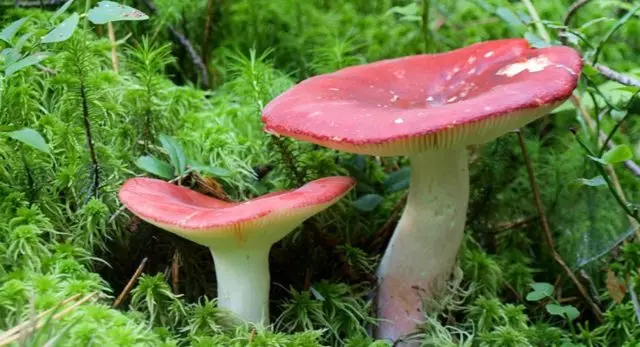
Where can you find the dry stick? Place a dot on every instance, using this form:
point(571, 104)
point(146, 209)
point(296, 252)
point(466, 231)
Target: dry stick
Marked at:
point(129, 285)
point(114, 51)
point(549, 236)
point(614, 75)
point(40, 323)
point(207, 32)
point(195, 58)
point(175, 272)
point(22, 325)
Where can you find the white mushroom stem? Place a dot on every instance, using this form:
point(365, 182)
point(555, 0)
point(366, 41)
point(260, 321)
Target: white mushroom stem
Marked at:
point(423, 249)
point(243, 281)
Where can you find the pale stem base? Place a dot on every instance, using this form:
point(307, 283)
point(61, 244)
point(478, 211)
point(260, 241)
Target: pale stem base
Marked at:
point(243, 282)
point(423, 249)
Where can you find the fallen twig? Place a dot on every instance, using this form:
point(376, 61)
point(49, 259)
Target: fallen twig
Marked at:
point(175, 272)
point(129, 285)
point(614, 75)
point(549, 236)
point(634, 299)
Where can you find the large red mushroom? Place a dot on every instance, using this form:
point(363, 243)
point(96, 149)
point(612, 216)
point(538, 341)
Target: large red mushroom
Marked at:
point(239, 235)
point(429, 107)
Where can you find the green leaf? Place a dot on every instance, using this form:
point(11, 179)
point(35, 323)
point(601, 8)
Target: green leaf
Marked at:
point(216, 171)
point(11, 55)
point(408, 10)
point(508, 16)
point(109, 11)
point(535, 40)
point(22, 40)
point(62, 9)
point(398, 180)
point(63, 31)
point(176, 153)
point(593, 182)
point(155, 166)
point(9, 32)
point(26, 62)
point(31, 138)
point(540, 291)
point(615, 155)
point(368, 203)
point(569, 312)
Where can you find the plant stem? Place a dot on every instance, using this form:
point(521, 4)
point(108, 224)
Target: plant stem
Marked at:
point(614, 75)
point(612, 31)
point(425, 25)
point(95, 169)
point(207, 32)
point(424, 246)
point(544, 223)
point(542, 31)
point(114, 49)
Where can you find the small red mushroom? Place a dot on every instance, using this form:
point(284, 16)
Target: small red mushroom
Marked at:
point(239, 235)
point(429, 107)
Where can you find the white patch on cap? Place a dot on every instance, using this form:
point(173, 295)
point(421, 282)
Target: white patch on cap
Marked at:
point(430, 98)
point(532, 65)
point(452, 99)
point(395, 98)
point(471, 59)
point(399, 121)
point(472, 71)
point(316, 113)
point(399, 74)
point(488, 54)
point(336, 138)
point(334, 89)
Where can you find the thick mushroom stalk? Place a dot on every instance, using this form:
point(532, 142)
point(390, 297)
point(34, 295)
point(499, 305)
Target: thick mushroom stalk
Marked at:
point(239, 235)
point(423, 248)
point(429, 107)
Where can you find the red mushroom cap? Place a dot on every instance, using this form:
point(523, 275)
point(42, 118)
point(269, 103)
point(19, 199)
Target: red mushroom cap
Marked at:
point(208, 221)
point(413, 104)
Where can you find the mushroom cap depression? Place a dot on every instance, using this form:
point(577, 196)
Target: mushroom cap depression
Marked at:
point(212, 222)
point(418, 103)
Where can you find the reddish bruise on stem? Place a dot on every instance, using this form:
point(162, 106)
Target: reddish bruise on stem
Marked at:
point(429, 107)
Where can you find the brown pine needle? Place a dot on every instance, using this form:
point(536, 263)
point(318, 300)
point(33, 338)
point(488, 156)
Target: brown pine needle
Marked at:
point(14, 334)
point(129, 285)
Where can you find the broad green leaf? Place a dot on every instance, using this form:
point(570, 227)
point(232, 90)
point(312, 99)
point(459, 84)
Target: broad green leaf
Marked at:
point(9, 32)
point(569, 312)
point(176, 153)
point(216, 171)
point(508, 16)
point(593, 182)
point(109, 11)
point(615, 155)
point(408, 10)
point(22, 40)
point(61, 10)
point(155, 166)
point(540, 291)
point(31, 138)
point(535, 40)
point(28, 61)
point(398, 180)
point(63, 31)
point(368, 202)
point(11, 55)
